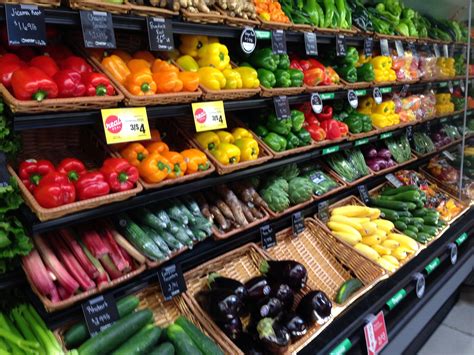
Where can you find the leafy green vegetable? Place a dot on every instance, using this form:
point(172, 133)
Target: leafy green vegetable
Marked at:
point(300, 189)
point(288, 172)
point(276, 199)
point(10, 198)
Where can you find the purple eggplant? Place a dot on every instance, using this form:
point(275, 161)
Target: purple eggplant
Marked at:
point(258, 288)
point(231, 327)
point(289, 272)
point(285, 294)
point(249, 345)
point(314, 307)
point(224, 305)
point(293, 323)
point(391, 163)
point(275, 337)
point(267, 308)
point(215, 281)
point(384, 154)
point(373, 163)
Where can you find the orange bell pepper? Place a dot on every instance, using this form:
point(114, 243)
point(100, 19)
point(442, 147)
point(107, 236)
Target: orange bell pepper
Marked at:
point(145, 55)
point(122, 54)
point(190, 80)
point(167, 81)
point(154, 168)
point(158, 147)
point(178, 165)
point(195, 160)
point(117, 68)
point(137, 65)
point(162, 65)
point(155, 137)
point(134, 153)
point(140, 83)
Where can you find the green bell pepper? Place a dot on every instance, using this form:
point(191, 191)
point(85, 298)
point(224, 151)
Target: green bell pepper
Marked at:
point(365, 72)
point(366, 123)
point(304, 137)
point(351, 57)
point(284, 61)
point(275, 142)
point(283, 78)
point(261, 131)
point(348, 73)
point(282, 127)
point(296, 77)
point(292, 141)
point(297, 120)
point(266, 77)
point(354, 122)
point(402, 29)
point(265, 59)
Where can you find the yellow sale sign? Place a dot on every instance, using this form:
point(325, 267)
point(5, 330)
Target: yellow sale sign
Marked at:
point(209, 115)
point(125, 124)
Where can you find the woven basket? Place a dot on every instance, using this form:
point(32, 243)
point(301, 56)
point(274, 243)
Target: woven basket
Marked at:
point(270, 25)
point(336, 178)
point(356, 85)
point(356, 136)
point(201, 17)
point(145, 10)
point(236, 21)
point(323, 88)
point(43, 3)
point(265, 92)
point(302, 28)
point(99, 5)
point(396, 37)
point(218, 235)
point(453, 190)
point(54, 145)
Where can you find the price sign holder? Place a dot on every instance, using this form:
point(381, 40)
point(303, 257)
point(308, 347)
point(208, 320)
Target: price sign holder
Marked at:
point(404, 90)
point(352, 98)
point(25, 25)
point(160, 34)
point(453, 253)
point(267, 236)
point(368, 46)
point(399, 48)
point(100, 313)
point(445, 50)
point(248, 40)
point(450, 86)
point(316, 103)
point(393, 180)
point(297, 223)
point(323, 211)
point(171, 281)
point(461, 85)
point(97, 29)
point(377, 96)
point(341, 49)
point(420, 284)
point(364, 194)
point(311, 43)
point(278, 42)
point(409, 133)
point(282, 107)
point(209, 115)
point(125, 124)
point(436, 50)
point(384, 48)
point(376, 336)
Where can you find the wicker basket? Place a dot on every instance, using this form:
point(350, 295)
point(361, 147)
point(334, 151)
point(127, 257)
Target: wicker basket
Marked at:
point(302, 28)
point(453, 190)
point(271, 25)
point(99, 5)
point(201, 17)
point(43, 3)
point(236, 21)
point(356, 85)
point(145, 10)
point(54, 145)
point(356, 136)
point(323, 88)
point(265, 92)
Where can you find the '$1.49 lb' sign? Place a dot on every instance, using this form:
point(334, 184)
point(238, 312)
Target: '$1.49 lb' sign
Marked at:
point(209, 116)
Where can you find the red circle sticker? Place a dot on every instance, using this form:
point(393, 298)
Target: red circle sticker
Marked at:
point(113, 124)
point(200, 115)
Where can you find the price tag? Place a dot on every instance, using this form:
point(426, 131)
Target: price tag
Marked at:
point(160, 34)
point(453, 253)
point(376, 337)
point(432, 265)
point(368, 46)
point(399, 48)
point(364, 194)
point(377, 96)
point(393, 180)
point(342, 348)
point(361, 142)
point(445, 50)
point(310, 43)
point(384, 49)
point(25, 25)
point(448, 155)
point(450, 86)
point(409, 133)
point(263, 34)
point(340, 45)
point(209, 115)
point(316, 103)
point(352, 98)
point(248, 40)
point(267, 236)
point(451, 50)
point(461, 239)
point(171, 281)
point(4, 176)
point(327, 95)
point(125, 124)
point(329, 150)
point(282, 107)
point(323, 211)
point(404, 90)
point(461, 85)
point(297, 223)
point(386, 90)
point(361, 92)
point(396, 299)
point(100, 313)
point(97, 29)
point(436, 50)
point(419, 284)
point(386, 135)
point(278, 42)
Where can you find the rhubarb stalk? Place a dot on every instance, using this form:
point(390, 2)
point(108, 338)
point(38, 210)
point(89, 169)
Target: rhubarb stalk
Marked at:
point(94, 243)
point(128, 258)
point(114, 250)
point(39, 275)
point(76, 249)
point(110, 267)
point(102, 278)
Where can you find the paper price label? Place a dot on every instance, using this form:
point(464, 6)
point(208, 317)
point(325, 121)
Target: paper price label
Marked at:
point(125, 124)
point(384, 48)
point(209, 115)
point(248, 40)
point(399, 48)
point(376, 337)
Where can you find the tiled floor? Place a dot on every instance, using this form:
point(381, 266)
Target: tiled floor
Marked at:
point(455, 335)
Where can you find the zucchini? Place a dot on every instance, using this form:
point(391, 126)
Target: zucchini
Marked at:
point(175, 213)
point(412, 228)
point(394, 191)
point(423, 237)
point(419, 204)
point(172, 242)
point(406, 220)
point(393, 205)
point(410, 233)
point(112, 337)
point(347, 289)
point(78, 333)
point(400, 225)
point(163, 216)
point(419, 212)
point(145, 217)
point(141, 342)
point(181, 341)
point(165, 348)
point(203, 342)
point(418, 220)
point(407, 196)
point(182, 236)
point(192, 205)
point(391, 215)
point(153, 234)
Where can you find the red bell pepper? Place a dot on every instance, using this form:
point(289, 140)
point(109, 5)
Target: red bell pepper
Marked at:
point(72, 168)
point(76, 63)
point(332, 76)
point(332, 129)
point(120, 174)
point(97, 84)
point(295, 64)
point(326, 113)
point(33, 84)
point(92, 184)
point(315, 64)
point(343, 128)
point(305, 64)
point(45, 63)
point(9, 57)
point(58, 52)
point(312, 119)
point(31, 172)
point(69, 83)
point(54, 190)
point(317, 133)
point(314, 76)
point(6, 71)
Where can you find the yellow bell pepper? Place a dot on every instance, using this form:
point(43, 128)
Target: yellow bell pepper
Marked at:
point(190, 44)
point(225, 137)
point(208, 140)
point(233, 80)
point(187, 63)
point(240, 133)
point(381, 62)
point(380, 121)
point(366, 105)
point(385, 108)
point(249, 77)
point(443, 98)
point(362, 59)
point(211, 78)
point(248, 148)
point(226, 153)
point(380, 75)
point(392, 76)
point(213, 55)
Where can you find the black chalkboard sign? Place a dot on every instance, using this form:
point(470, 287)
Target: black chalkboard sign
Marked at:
point(363, 193)
point(310, 43)
point(100, 313)
point(160, 34)
point(282, 107)
point(341, 45)
point(404, 90)
point(25, 25)
point(97, 29)
point(368, 46)
point(323, 211)
point(297, 223)
point(412, 48)
point(267, 236)
point(171, 281)
point(4, 176)
point(278, 42)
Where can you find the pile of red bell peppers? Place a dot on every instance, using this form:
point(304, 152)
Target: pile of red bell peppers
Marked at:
point(70, 180)
point(322, 126)
point(56, 73)
point(315, 73)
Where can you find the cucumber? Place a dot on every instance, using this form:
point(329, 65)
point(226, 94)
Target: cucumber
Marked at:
point(400, 225)
point(190, 233)
point(407, 196)
point(423, 237)
point(153, 234)
point(181, 341)
point(412, 228)
point(404, 213)
point(176, 214)
point(78, 333)
point(419, 212)
point(393, 205)
point(203, 342)
point(183, 237)
point(145, 217)
point(163, 216)
point(418, 220)
point(165, 348)
point(173, 227)
point(141, 342)
point(395, 191)
point(391, 215)
point(406, 220)
point(172, 242)
point(112, 337)
point(192, 205)
point(199, 233)
point(429, 230)
point(347, 289)
point(419, 204)
point(410, 233)
point(430, 220)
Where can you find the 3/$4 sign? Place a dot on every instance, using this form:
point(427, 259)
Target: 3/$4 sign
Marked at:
point(125, 124)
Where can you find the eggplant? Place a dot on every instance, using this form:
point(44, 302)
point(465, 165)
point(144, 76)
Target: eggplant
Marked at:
point(249, 345)
point(274, 336)
point(231, 327)
point(216, 281)
point(285, 294)
point(289, 272)
point(295, 325)
point(224, 305)
point(267, 308)
point(314, 307)
point(257, 288)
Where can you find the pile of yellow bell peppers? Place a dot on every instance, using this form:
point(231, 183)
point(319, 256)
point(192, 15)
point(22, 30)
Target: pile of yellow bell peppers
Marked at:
point(382, 115)
point(383, 69)
point(210, 59)
point(230, 147)
point(444, 105)
point(445, 67)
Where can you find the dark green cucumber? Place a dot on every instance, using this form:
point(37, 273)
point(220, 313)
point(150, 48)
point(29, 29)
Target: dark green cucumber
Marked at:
point(391, 215)
point(407, 196)
point(424, 236)
point(393, 205)
point(201, 340)
point(430, 220)
point(419, 220)
point(165, 348)
point(155, 235)
point(419, 204)
point(347, 289)
point(78, 333)
point(419, 212)
point(406, 220)
point(114, 336)
point(144, 216)
point(410, 233)
point(181, 341)
point(412, 228)
point(429, 230)
point(400, 225)
point(141, 342)
point(395, 191)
